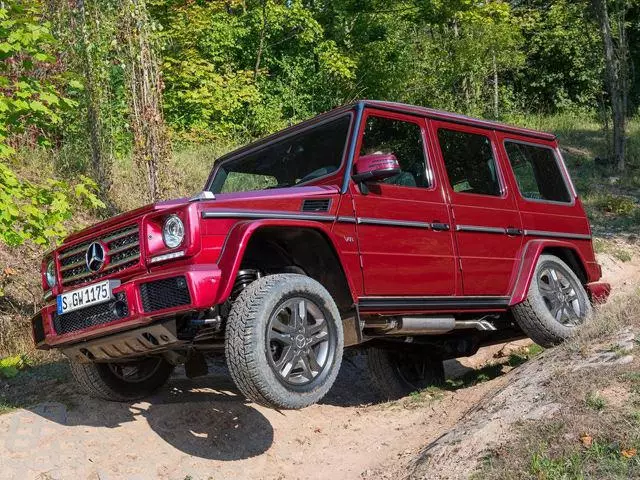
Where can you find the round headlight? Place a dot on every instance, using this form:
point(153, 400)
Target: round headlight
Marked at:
point(173, 231)
point(51, 274)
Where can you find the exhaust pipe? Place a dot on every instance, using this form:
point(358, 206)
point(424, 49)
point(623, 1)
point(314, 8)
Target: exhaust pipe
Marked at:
point(427, 325)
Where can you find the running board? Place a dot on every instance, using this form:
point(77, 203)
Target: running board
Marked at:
point(378, 304)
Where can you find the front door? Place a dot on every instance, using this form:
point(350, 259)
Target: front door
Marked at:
point(405, 242)
point(487, 223)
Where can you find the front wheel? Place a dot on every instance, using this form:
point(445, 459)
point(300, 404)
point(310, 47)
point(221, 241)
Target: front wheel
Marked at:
point(556, 303)
point(122, 381)
point(284, 341)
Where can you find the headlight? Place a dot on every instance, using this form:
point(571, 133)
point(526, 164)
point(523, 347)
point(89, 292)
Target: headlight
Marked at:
point(172, 231)
point(51, 274)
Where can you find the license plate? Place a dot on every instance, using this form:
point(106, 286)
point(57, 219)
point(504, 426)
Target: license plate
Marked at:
point(84, 297)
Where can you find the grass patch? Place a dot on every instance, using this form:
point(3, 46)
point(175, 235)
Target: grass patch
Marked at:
point(595, 401)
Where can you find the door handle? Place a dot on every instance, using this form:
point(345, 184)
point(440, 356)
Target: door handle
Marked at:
point(513, 231)
point(441, 227)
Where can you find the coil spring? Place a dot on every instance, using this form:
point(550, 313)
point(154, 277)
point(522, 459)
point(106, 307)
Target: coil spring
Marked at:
point(243, 279)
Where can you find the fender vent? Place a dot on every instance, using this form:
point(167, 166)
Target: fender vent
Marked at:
point(316, 205)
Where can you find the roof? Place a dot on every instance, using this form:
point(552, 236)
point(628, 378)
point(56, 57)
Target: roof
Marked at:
point(455, 118)
point(395, 107)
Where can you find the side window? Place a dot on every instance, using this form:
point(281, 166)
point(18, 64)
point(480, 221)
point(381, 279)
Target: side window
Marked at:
point(469, 160)
point(537, 172)
point(404, 140)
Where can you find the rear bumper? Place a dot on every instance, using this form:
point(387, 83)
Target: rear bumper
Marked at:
point(598, 291)
point(202, 282)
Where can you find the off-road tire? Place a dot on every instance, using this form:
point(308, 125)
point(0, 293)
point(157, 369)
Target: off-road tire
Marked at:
point(385, 369)
point(99, 381)
point(246, 345)
point(533, 316)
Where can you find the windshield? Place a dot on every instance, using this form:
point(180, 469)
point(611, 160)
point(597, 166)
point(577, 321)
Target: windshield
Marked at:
point(297, 159)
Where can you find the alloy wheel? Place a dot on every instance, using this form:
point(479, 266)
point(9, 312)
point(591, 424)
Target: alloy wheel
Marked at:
point(560, 294)
point(298, 341)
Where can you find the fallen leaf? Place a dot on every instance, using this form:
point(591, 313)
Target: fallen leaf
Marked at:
point(629, 452)
point(586, 440)
point(8, 271)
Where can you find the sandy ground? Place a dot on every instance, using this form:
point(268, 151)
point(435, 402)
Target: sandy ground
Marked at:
point(204, 430)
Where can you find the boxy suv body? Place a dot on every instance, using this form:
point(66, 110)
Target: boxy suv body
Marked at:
point(417, 234)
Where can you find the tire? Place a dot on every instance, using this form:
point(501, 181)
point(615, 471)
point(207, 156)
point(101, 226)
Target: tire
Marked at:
point(551, 314)
point(122, 381)
point(270, 349)
point(396, 374)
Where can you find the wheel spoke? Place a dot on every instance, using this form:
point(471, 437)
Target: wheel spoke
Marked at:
point(553, 275)
point(278, 325)
point(280, 337)
point(311, 330)
point(306, 368)
point(286, 362)
point(317, 338)
point(313, 361)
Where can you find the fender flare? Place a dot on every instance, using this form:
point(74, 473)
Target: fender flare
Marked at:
point(240, 235)
point(531, 252)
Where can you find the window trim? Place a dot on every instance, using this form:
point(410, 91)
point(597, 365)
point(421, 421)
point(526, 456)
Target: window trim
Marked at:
point(500, 174)
point(420, 121)
point(561, 168)
point(349, 114)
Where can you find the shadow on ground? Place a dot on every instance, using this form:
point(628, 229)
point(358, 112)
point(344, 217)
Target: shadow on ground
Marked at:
point(205, 417)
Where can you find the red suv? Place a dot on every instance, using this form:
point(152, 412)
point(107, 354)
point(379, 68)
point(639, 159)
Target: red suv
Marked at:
point(417, 234)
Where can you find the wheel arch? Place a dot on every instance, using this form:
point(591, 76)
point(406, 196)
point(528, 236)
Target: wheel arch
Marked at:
point(307, 245)
point(565, 251)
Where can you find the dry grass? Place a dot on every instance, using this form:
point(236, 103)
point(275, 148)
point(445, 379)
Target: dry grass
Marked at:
point(596, 432)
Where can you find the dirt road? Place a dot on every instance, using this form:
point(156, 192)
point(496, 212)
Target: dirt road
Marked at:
point(204, 430)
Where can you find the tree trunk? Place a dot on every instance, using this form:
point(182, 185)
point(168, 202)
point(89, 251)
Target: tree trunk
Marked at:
point(615, 69)
point(151, 147)
point(263, 33)
point(496, 98)
point(100, 162)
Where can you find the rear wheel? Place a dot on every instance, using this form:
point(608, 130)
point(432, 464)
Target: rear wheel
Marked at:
point(122, 381)
point(396, 374)
point(284, 341)
point(556, 303)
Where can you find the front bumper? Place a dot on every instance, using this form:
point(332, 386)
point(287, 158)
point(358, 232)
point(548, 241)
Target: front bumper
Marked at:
point(202, 282)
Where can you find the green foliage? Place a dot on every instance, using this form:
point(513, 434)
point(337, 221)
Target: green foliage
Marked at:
point(38, 212)
point(11, 366)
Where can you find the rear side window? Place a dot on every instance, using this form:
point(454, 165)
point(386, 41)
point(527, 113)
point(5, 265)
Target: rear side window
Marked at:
point(537, 172)
point(469, 160)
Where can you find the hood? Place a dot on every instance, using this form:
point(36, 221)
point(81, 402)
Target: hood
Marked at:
point(125, 217)
point(277, 199)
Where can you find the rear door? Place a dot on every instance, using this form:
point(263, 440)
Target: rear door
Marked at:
point(488, 229)
point(402, 254)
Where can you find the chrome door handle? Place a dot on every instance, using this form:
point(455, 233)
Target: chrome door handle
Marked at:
point(513, 231)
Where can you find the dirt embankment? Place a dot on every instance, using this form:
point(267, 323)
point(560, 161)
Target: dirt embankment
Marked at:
point(203, 429)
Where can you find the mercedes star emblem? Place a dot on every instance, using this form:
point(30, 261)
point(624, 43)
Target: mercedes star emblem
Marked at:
point(95, 256)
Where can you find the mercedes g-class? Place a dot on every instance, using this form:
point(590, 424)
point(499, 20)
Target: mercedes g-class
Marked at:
point(416, 234)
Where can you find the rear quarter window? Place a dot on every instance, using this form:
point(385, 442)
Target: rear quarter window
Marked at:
point(537, 172)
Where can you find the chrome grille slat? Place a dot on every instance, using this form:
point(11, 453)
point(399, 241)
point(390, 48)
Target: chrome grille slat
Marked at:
point(109, 267)
point(124, 254)
point(71, 266)
point(70, 253)
point(118, 236)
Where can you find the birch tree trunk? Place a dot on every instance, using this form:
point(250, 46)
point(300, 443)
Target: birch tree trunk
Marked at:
point(615, 69)
point(151, 148)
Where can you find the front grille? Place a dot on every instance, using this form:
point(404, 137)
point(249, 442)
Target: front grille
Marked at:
point(90, 316)
point(167, 293)
point(38, 329)
point(122, 249)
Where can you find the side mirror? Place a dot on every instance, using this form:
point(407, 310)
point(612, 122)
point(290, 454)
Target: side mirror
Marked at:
point(376, 167)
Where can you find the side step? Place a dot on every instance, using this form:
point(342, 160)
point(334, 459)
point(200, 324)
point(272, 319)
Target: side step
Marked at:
point(132, 343)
